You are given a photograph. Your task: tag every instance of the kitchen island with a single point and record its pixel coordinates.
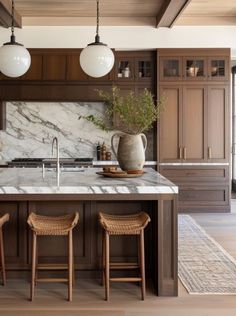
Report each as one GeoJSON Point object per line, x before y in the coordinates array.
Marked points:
{"type": "Point", "coordinates": [25, 190]}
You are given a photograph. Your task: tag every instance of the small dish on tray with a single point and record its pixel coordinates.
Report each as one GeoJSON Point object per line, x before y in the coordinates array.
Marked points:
{"type": "Point", "coordinates": [121, 174]}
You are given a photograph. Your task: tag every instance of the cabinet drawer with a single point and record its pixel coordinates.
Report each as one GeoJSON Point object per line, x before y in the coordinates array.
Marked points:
{"type": "Point", "coordinates": [200, 174]}
{"type": "Point", "coordinates": [204, 195]}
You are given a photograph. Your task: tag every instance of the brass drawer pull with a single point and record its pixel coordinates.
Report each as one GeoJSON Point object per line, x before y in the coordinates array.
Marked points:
{"type": "Point", "coordinates": [185, 153]}
{"type": "Point", "coordinates": [209, 153]}
{"type": "Point", "coordinates": [180, 152]}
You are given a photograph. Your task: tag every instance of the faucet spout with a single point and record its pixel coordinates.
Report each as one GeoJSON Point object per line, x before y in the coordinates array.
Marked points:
{"type": "Point", "coordinates": [55, 141]}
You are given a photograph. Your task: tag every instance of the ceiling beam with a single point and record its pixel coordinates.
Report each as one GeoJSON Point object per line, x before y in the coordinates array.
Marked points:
{"type": "Point", "coordinates": [5, 14]}
{"type": "Point", "coordinates": [170, 12]}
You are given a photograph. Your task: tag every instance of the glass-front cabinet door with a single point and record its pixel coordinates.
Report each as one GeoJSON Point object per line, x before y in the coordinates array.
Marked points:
{"type": "Point", "coordinates": [144, 68]}
{"type": "Point", "coordinates": [218, 68]}
{"type": "Point", "coordinates": [124, 68]}
{"type": "Point", "coordinates": [194, 68]}
{"type": "Point", "coordinates": [170, 68]}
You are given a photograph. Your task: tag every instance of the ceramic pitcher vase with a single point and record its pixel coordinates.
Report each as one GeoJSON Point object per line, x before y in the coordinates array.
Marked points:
{"type": "Point", "coordinates": [130, 152]}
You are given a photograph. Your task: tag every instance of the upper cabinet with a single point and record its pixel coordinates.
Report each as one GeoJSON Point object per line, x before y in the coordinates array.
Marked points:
{"type": "Point", "coordinates": [194, 68]}
{"type": "Point", "coordinates": [64, 65]}
{"type": "Point", "coordinates": [198, 66]}
{"type": "Point", "coordinates": [35, 71]}
{"type": "Point", "coordinates": [218, 68]}
{"type": "Point", "coordinates": [170, 68]}
{"type": "Point", "coordinates": [134, 66]}
{"type": "Point", "coordinates": [54, 67]}
{"type": "Point", "coordinates": [56, 74]}
{"type": "Point", "coordinates": [194, 127]}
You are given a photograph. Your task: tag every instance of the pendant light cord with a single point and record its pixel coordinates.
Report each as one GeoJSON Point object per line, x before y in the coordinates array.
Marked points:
{"type": "Point", "coordinates": [12, 21]}
{"type": "Point", "coordinates": [97, 37]}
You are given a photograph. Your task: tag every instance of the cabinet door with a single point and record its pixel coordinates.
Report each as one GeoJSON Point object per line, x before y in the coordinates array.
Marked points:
{"type": "Point", "coordinates": [194, 68]}
{"type": "Point", "coordinates": [54, 67]}
{"type": "Point", "coordinates": [143, 69]}
{"type": "Point", "coordinates": [194, 113]}
{"type": "Point", "coordinates": [217, 127]}
{"type": "Point", "coordinates": [74, 70]}
{"type": "Point", "coordinates": [125, 69]}
{"type": "Point", "coordinates": [35, 71]}
{"type": "Point", "coordinates": [170, 68]}
{"type": "Point", "coordinates": [218, 68]}
{"type": "Point", "coordinates": [171, 124]}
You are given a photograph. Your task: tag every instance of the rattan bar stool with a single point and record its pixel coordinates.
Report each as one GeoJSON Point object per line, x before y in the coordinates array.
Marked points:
{"type": "Point", "coordinates": [52, 226]}
{"type": "Point", "coordinates": [3, 219]}
{"type": "Point", "coordinates": [123, 225]}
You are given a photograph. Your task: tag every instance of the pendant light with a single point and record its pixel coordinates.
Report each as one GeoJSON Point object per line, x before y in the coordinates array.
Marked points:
{"type": "Point", "coordinates": [14, 57]}
{"type": "Point", "coordinates": [97, 59]}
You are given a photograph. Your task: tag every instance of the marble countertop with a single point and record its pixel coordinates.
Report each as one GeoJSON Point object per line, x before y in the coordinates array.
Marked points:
{"type": "Point", "coordinates": [81, 181]}
{"type": "Point", "coordinates": [115, 162]}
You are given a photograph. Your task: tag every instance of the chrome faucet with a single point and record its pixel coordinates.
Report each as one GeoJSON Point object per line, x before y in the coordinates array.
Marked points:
{"type": "Point", "coordinates": [55, 140]}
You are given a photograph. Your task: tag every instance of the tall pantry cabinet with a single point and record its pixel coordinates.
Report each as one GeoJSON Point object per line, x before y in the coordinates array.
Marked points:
{"type": "Point", "coordinates": [193, 131]}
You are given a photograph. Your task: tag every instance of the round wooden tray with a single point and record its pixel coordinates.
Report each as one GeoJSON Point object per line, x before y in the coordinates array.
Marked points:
{"type": "Point", "coordinates": [119, 175]}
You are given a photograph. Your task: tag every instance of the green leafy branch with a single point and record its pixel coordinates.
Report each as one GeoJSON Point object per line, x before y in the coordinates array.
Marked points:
{"type": "Point", "coordinates": [132, 114]}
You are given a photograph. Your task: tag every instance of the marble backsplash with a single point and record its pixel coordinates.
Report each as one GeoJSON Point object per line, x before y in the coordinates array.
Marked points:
{"type": "Point", "coordinates": [31, 127]}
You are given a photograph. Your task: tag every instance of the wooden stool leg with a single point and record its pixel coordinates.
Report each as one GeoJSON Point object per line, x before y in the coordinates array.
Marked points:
{"type": "Point", "coordinates": [142, 264]}
{"type": "Point", "coordinates": [2, 258]}
{"type": "Point", "coordinates": [34, 246]}
{"type": "Point", "coordinates": [73, 271]}
{"type": "Point", "coordinates": [107, 267]}
{"type": "Point", "coordinates": [36, 266]}
{"type": "Point", "coordinates": [70, 267]}
{"type": "Point", "coordinates": [103, 258]}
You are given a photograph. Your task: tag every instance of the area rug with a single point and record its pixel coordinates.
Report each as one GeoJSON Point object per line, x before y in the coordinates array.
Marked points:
{"type": "Point", "coordinates": [204, 266]}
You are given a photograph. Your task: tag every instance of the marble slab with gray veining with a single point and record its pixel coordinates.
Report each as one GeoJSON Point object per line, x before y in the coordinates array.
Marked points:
{"type": "Point", "coordinates": [81, 181]}
{"type": "Point", "coordinates": [31, 127]}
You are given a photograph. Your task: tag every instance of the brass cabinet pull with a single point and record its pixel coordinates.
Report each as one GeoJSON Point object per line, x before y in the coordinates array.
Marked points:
{"type": "Point", "coordinates": [180, 152]}
{"type": "Point", "coordinates": [185, 153]}
{"type": "Point", "coordinates": [209, 153]}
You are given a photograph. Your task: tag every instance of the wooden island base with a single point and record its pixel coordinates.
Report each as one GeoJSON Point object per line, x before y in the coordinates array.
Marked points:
{"type": "Point", "coordinates": [160, 235]}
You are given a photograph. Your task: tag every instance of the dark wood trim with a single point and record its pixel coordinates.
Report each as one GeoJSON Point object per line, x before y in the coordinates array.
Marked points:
{"type": "Point", "coordinates": [170, 11]}
{"type": "Point", "coordinates": [2, 115]}
{"type": "Point", "coordinates": [85, 197]}
{"type": "Point", "coordinates": [5, 14]}
{"type": "Point", "coordinates": [209, 52]}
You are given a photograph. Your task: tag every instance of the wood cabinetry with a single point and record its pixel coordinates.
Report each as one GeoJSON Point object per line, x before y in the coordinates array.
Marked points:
{"type": "Point", "coordinates": [201, 188]}
{"type": "Point", "coordinates": [218, 123]}
{"type": "Point", "coordinates": [182, 124]}
{"type": "Point", "coordinates": [56, 75]}
{"type": "Point", "coordinates": [134, 66]}
{"type": "Point", "coordinates": [194, 127]}
{"type": "Point", "coordinates": [170, 131]}
{"type": "Point", "coordinates": [193, 65]}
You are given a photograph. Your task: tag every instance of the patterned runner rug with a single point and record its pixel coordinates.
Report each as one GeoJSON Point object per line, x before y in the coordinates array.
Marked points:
{"type": "Point", "coordinates": [204, 266]}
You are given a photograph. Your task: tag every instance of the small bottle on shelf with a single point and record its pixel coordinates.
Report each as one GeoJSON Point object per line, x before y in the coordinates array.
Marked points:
{"type": "Point", "coordinates": [108, 155]}
{"type": "Point", "coordinates": [103, 151]}
{"type": "Point", "coordinates": [98, 151]}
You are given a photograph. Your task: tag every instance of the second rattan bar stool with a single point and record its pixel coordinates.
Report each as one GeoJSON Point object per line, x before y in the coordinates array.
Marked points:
{"type": "Point", "coordinates": [3, 219]}
{"type": "Point", "coordinates": [123, 225]}
{"type": "Point", "coordinates": [52, 226]}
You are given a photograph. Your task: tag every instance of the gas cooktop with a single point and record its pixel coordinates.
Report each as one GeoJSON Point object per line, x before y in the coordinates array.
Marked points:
{"type": "Point", "coordinates": [36, 162]}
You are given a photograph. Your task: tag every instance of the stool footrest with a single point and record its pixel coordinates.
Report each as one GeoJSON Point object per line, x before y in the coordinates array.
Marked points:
{"type": "Point", "coordinates": [48, 266]}
{"type": "Point", "coordinates": [123, 265]}
{"type": "Point", "coordinates": [125, 279]}
{"type": "Point", "coordinates": [52, 280]}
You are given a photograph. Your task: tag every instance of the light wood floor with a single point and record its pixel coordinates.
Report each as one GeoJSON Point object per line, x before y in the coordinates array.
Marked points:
{"type": "Point", "coordinates": [88, 295]}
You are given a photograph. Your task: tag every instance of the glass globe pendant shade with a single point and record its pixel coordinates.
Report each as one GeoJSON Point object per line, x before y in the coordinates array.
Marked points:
{"type": "Point", "coordinates": [97, 60]}
{"type": "Point", "coordinates": [15, 60]}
